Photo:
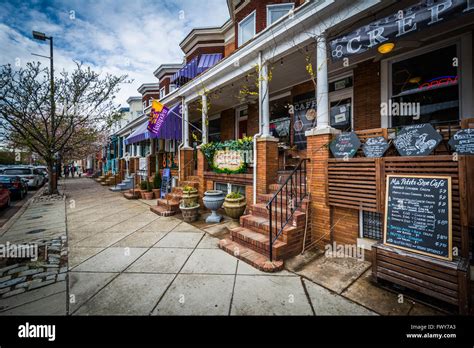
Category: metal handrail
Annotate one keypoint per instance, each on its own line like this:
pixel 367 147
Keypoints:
pixel 296 185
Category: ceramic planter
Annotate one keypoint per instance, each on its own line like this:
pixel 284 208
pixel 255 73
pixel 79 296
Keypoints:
pixel 189 214
pixel 190 197
pixel 213 200
pixel 235 207
pixel 156 193
pixel 147 195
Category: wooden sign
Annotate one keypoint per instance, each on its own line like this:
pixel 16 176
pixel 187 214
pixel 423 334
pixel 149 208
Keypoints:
pixel 417 140
pixel 463 142
pixel 418 214
pixel 375 147
pixel 230 160
pixel 345 145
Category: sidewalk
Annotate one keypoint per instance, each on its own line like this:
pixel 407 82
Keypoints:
pixel 125 260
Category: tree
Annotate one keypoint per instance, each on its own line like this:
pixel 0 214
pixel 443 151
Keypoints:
pixel 83 108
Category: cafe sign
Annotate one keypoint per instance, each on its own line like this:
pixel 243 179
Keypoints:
pixel 424 14
pixel 230 161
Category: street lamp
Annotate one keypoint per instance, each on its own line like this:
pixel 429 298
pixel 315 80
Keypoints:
pixel 42 37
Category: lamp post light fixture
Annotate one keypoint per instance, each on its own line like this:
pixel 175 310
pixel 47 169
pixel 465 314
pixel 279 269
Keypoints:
pixel 42 37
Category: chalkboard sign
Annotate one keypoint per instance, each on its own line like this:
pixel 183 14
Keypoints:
pixel 417 140
pixel 418 214
pixel 463 142
pixel 165 183
pixel 345 145
pixel 375 147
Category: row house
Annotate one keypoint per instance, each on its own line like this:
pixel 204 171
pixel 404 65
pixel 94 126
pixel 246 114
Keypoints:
pixel 303 81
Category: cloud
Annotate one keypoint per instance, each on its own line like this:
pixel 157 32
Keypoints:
pixel 112 36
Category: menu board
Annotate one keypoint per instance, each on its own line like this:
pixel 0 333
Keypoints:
pixel 418 214
pixel 345 145
pixel 463 141
pixel 417 140
pixel 304 119
pixel 375 147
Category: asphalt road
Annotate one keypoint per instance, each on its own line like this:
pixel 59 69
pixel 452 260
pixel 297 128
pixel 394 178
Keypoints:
pixel 7 212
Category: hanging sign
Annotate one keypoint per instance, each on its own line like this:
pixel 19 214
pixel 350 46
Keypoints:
pixel 417 140
pixel 463 142
pixel 228 160
pixel 158 114
pixel 345 145
pixel 418 214
pixel 375 147
pixel 424 14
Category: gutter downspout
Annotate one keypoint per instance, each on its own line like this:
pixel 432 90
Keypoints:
pixel 182 140
pixel 259 134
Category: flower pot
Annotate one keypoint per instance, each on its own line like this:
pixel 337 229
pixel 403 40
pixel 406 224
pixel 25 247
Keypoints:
pixel 189 214
pixel 235 207
pixel 190 197
pixel 156 193
pixel 142 194
pixel 148 195
pixel 213 200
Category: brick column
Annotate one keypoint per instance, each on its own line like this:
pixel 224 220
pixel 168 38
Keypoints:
pixel 201 168
pixel 185 158
pixel 267 163
pixel 318 152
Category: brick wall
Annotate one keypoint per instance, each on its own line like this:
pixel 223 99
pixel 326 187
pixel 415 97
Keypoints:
pixel 252 120
pixel 367 95
pixel 165 82
pixel 228 124
pixel 205 50
pixel 149 96
pixel 229 49
pixel 260 6
pixel 267 168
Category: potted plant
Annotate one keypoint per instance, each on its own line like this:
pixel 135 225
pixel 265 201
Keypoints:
pixel 190 211
pixel 148 194
pixel 156 185
pixel 234 205
pixel 213 200
pixel 190 195
pixel 143 188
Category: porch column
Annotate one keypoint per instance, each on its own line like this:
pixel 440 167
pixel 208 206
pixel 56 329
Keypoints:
pixel 205 123
pixel 265 100
pixel 322 88
pixel 185 125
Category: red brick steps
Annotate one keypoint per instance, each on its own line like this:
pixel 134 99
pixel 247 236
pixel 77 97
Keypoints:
pixel 250 256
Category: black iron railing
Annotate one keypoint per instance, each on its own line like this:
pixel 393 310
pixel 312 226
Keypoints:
pixel 286 201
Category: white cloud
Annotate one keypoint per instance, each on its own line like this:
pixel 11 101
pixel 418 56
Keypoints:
pixel 118 37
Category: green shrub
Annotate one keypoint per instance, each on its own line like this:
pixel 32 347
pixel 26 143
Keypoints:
pixel 157 180
pixel 143 185
pixel 149 186
pixel 234 195
pixel 188 188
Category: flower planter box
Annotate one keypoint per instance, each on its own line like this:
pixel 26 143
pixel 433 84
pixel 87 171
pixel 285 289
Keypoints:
pixel 189 214
pixel 147 195
pixel 156 193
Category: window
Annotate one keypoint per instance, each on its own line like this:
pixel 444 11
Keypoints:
pixel 371 225
pixel 214 129
pixel 228 188
pixel 275 12
pixel 429 82
pixel 172 87
pixel 162 92
pixel 241 122
pixel 247 29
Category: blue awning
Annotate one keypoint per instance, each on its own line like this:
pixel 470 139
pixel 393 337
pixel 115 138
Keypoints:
pixel 171 128
pixel 208 60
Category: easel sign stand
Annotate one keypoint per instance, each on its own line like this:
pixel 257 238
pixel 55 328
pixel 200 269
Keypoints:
pixel 417 250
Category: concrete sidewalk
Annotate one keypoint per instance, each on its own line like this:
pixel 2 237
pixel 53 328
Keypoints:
pixel 125 260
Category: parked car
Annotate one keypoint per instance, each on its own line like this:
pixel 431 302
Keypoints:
pixel 32 175
pixel 15 184
pixel 5 195
pixel 43 171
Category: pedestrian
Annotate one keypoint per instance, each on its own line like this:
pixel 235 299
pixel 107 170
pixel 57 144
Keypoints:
pixel 73 170
pixel 66 171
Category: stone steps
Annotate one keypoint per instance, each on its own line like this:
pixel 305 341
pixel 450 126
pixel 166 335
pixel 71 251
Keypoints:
pixel 250 256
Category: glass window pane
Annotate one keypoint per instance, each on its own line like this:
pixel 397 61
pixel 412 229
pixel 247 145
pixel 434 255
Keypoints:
pixel 427 83
pixel 247 29
pixel 276 12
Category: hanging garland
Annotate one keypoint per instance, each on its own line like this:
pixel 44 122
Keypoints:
pixel 241 145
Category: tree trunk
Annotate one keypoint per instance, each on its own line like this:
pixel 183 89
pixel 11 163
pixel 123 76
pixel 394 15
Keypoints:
pixel 52 179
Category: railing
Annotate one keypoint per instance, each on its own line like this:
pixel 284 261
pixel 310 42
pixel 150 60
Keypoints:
pixel 286 201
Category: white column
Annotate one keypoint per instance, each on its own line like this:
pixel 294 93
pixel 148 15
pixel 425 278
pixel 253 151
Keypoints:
pixel 138 150
pixel 205 124
pixel 185 125
pixel 322 88
pixel 265 100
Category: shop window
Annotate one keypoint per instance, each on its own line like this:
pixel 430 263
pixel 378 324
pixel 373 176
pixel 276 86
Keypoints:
pixel 247 29
pixel 372 225
pixel 429 80
pixel 275 12
pixel 214 130
pixel 241 122
pixel 340 113
pixel 280 119
pixel 304 118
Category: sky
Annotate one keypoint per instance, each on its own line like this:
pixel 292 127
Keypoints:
pixel 130 37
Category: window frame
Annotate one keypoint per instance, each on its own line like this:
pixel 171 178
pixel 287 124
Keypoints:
pixel 274 6
pixel 162 92
pixel 239 25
